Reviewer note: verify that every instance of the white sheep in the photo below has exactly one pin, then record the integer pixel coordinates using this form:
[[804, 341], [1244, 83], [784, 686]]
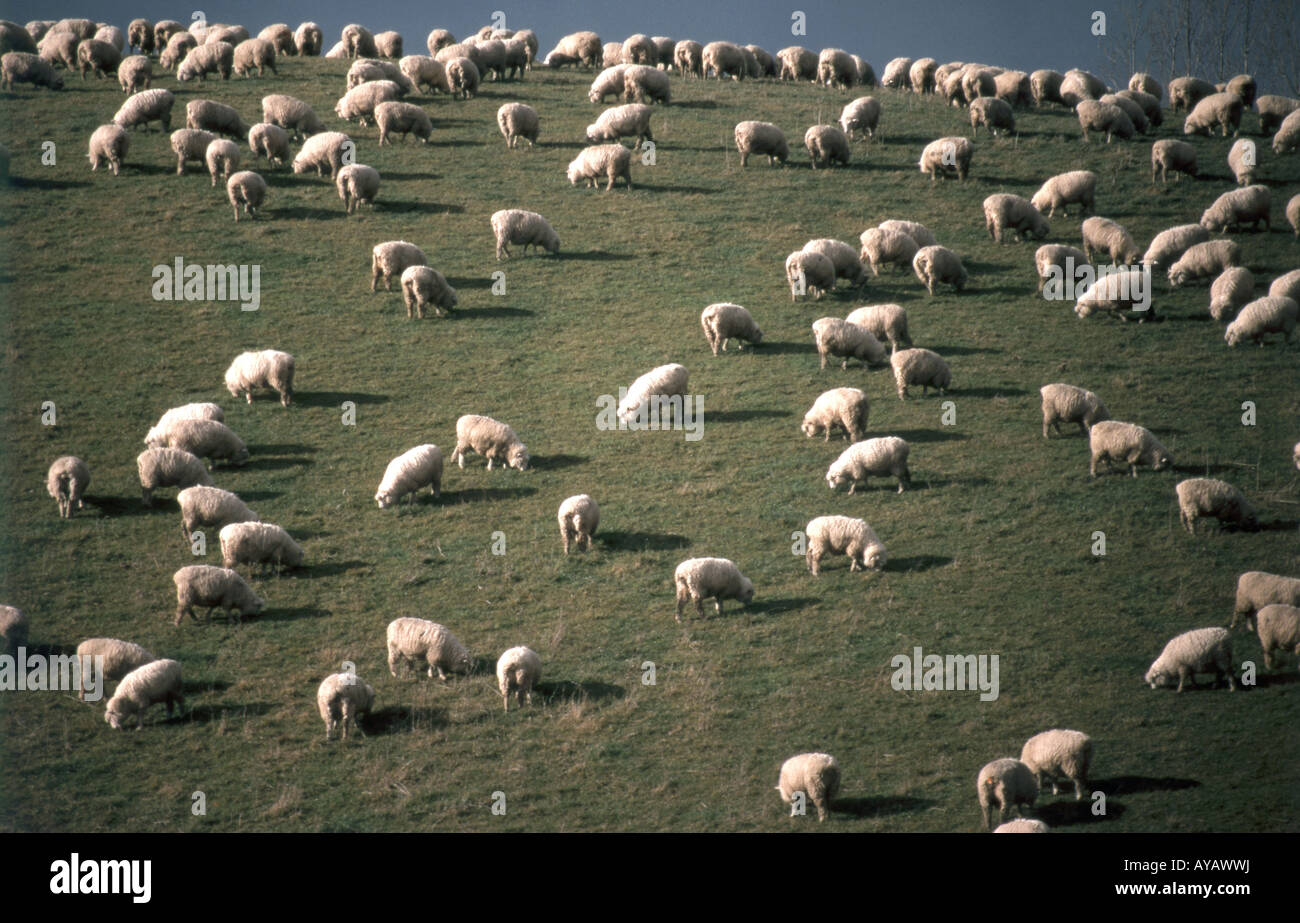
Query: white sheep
[[390, 259], [424, 286], [862, 114], [140, 34], [1270, 314], [1242, 161], [1286, 285], [836, 68], [724, 59], [1059, 262], [1221, 109], [1238, 208], [1112, 440], [13, 630], [1203, 260], [518, 671], [610, 161], [1278, 626], [268, 368], [642, 83], [357, 185], [1170, 244], [246, 189], [222, 158], [835, 337], [258, 543], [342, 698], [1135, 113], [490, 438], [993, 113], [935, 265], [688, 58], [280, 36], [214, 58], [1106, 236], [389, 44], [204, 505], [359, 102], [1116, 293], [1257, 589], [698, 579], [809, 272], [1293, 214], [921, 75], [253, 53], [1148, 105], [292, 114], [847, 262], [654, 389], [945, 157], [880, 247], [1104, 117], [608, 82], [884, 456], [1004, 211], [98, 57], [157, 681], [725, 321], [1002, 784], [516, 226], [1066, 189], [1059, 753], [419, 640], [270, 141], [797, 63], [1199, 497], [814, 775], [920, 367], [1064, 403], [578, 517], [190, 144], [157, 435], [923, 236], [178, 46], [408, 472], [843, 535], [847, 408], [1168, 154], [405, 119], [1202, 650], [215, 588], [147, 106], [1045, 86], [884, 321], [1273, 110], [169, 468], [1023, 825], [762, 138], [629, 121], [1233, 288], [424, 71], [827, 145], [135, 73], [517, 120], [119, 659], [1079, 85], [1013, 87], [66, 482], [358, 41], [1144, 83], [108, 145]]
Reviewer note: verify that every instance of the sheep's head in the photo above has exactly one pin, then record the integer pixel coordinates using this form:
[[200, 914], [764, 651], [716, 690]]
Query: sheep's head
[[746, 595], [1163, 460], [594, 136], [240, 457], [114, 716], [384, 500], [517, 458], [1157, 676], [809, 428], [874, 557]]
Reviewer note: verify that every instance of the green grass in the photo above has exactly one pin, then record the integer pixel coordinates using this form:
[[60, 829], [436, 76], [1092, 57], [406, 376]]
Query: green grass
[[990, 553]]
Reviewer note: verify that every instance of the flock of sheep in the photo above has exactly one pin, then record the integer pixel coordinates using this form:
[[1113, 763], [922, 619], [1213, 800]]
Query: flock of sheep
[[637, 72]]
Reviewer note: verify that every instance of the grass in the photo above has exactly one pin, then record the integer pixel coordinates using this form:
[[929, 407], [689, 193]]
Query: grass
[[989, 553]]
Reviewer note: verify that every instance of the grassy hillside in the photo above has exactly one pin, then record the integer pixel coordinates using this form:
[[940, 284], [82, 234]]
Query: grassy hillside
[[989, 552]]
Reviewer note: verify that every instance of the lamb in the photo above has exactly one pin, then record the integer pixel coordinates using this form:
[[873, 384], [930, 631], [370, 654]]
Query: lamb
[[1234, 287], [836, 68], [1203, 260], [343, 698], [248, 189], [808, 271], [253, 53], [145, 107], [518, 671], [1111, 441], [516, 226], [269, 368], [920, 367], [280, 37], [423, 71], [611, 161], [13, 630], [1221, 109], [517, 120], [1147, 104], [1107, 117], [22, 67], [390, 259], [843, 534], [176, 49], [99, 57], [688, 58], [258, 543], [490, 438], [157, 436], [118, 659], [884, 321], [422, 286], [326, 150], [608, 82], [826, 145], [1257, 589], [134, 73], [1064, 403], [1239, 207], [1003, 783], [923, 236], [1116, 292], [214, 58], [414, 640], [1286, 285], [761, 138], [946, 156], [629, 121], [723, 59], [862, 114], [725, 321], [814, 775], [797, 63], [1270, 314], [269, 141], [1105, 236], [140, 34], [1066, 189], [156, 681], [885, 456], [359, 102], [291, 113], [934, 265], [66, 482], [1203, 650], [642, 83], [211, 506], [1209, 497], [108, 145], [1169, 245], [1003, 212], [169, 468], [1023, 825], [1293, 214], [880, 247], [1168, 154], [1059, 753], [1135, 113], [653, 389], [222, 158], [1046, 86], [1273, 110], [698, 579], [408, 472], [358, 42], [1059, 262], [835, 337], [1242, 161], [215, 588], [1279, 629], [992, 113], [190, 144], [578, 517], [405, 119]]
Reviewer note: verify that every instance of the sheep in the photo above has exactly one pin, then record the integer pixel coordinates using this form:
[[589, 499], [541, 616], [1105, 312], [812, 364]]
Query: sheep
[[358, 42], [222, 157], [408, 472], [766, 63], [977, 82], [1111, 441], [1064, 403], [923, 236], [836, 68], [22, 67], [611, 161], [897, 74], [1241, 161], [1059, 753], [165, 467], [1203, 260], [629, 121], [343, 698], [205, 505], [388, 44], [1270, 314], [516, 58], [529, 38], [921, 75], [215, 58], [578, 517], [154, 682], [231, 35], [1105, 236], [174, 53], [108, 145], [1003, 783], [291, 113], [1066, 189], [1169, 245], [140, 34], [835, 337], [1116, 292], [423, 285], [847, 408], [1256, 590], [164, 29], [1023, 825], [1099, 117], [843, 534], [1286, 285], [1145, 83], [157, 436], [880, 247], [367, 70], [1273, 110], [439, 39], [258, 543], [1221, 109], [215, 588], [99, 57], [642, 83], [1135, 112], [934, 265], [489, 56], [1147, 104], [1239, 207], [1278, 626], [847, 263], [516, 226], [608, 82], [463, 77], [1003, 212], [253, 53], [206, 439], [809, 272], [1013, 88], [66, 482], [405, 119], [145, 107], [327, 150], [518, 671], [946, 156], [1079, 85], [920, 367], [517, 120], [59, 48], [884, 322], [1168, 154], [490, 438], [389, 259], [723, 59], [190, 144], [639, 49], [992, 113], [14, 37], [1293, 214], [826, 145], [862, 114], [247, 189], [413, 640], [885, 456], [1202, 650], [118, 658], [13, 630], [653, 389], [1209, 497], [423, 71], [816, 776], [797, 63], [698, 579], [269, 141], [725, 321], [761, 138], [134, 73], [215, 117], [268, 368], [1234, 287], [1045, 85], [359, 102], [688, 58], [280, 37], [1060, 263]]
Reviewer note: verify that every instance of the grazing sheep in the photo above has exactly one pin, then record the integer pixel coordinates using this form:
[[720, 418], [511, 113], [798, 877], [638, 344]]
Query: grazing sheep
[[280, 36], [253, 53], [14, 37], [343, 698], [1203, 260], [724, 59], [921, 74], [337, 51], [698, 579], [843, 535], [214, 58], [1066, 189], [577, 48], [424, 71], [809, 272], [885, 456], [134, 73], [1278, 626], [1060, 263], [1064, 403], [246, 189], [847, 408], [814, 775], [611, 161], [66, 482], [358, 42], [156, 681], [367, 70], [797, 63], [1045, 85], [163, 30], [631, 120], [826, 145], [992, 113], [1202, 650], [654, 389], [516, 226], [1239, 207], [1059, 753], [292, 114], [767, 64], [118, 659], [516, 121], [1135, 112], [884, 321], [923, 236], [1023, 825], [490, 438], [1221, 109], [388, 44], [1145, 83], [22, 67], [1111, 441], [423, 285], [761, 138], [1273, 110], [725, 321], [1099, 117], [920, 367], [108, 145], [835, 68], [1209, 497], [934, 265], [847, 263], [835, 337], [1242, 161], [269, 141], [222, 158], [231, 35], [1079, 86], [99, 57], [268, 368], [57, 49], [608, 82], [688, 58], [518, 671], [862, 114], [215, 117], [13, 630], [578, 517], [1147, 104], [418, 640], [1293, 214], [946, 156], [390, 259], [1286, 285], [190, 144], [157, 436], [1270, 314], [1003, 783], [258, 543], [326, 150], [1234, 287], [880, 247], [1257, 589], [215, 588], [408, 472], [642, 83], [176, 49], [639, 49], [978, 82], [1003, 212], [207, 439], [405, 119], [359, 102], [145, 107], [1013, 87], [205, 505], [1105, 236], [1117, 292], [169, 468], [140, 35], [1169, 245], [1168, 154]]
